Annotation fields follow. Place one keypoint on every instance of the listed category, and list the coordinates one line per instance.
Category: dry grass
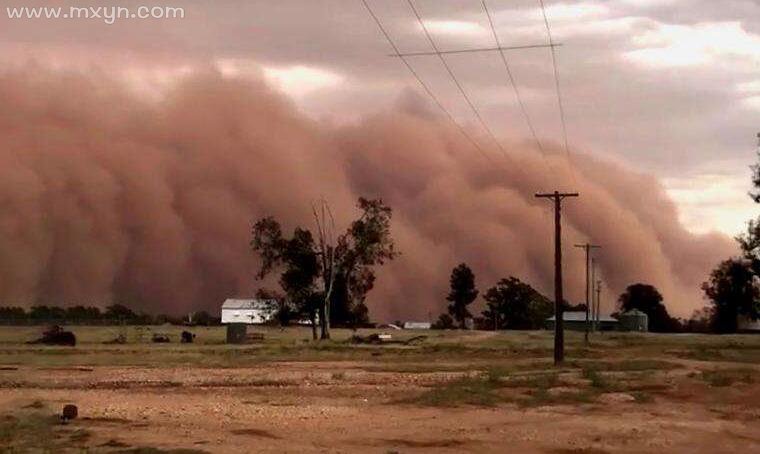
(728, 377)
(290, 376)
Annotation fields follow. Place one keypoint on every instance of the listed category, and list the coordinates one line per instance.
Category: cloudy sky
(669, 87)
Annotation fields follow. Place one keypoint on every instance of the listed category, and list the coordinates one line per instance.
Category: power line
(456, 81)
(558, 91)
(512, 82)
(424, 85)
(484, 49)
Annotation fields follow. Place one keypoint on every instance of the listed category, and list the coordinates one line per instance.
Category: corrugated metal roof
(635, 312)
(580, 316)
(247, 303)
(417, 325)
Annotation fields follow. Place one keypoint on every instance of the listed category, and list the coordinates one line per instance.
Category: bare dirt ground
(479, 394)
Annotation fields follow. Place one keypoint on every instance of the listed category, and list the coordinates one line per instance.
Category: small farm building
(576, 321)
(417, 325)
(248, 311)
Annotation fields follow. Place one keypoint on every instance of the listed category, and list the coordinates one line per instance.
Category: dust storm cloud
(108, 197)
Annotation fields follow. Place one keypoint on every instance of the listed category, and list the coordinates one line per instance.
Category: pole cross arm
(560, 195)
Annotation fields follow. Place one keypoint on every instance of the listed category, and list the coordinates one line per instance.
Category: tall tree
(513, 304)
(332, 274)
(366, 244)
(462, 293)
(326, 252)
(733, 291)
(444, 322)
(648, 300)
(299, 262)
(733, 286)
(750, 241)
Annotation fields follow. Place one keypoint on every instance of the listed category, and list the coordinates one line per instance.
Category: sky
(669, 87)
(137, 151)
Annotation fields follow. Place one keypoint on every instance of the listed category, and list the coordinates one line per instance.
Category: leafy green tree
(648, 300)
(462, 293)
(701, 320)
(339, 271)
(513, 304)
(79, 314)
(285, 311)
(444, 322)
(297, 256)
(203, 318)
(366, 244)
(12, 314)
(733, 290)
(47, 313)
(755, 183)
(733, 286)
(119, 313)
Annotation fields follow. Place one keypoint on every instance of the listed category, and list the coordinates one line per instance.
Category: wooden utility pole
(588, 247)
(593, 299)
(598, 298)
(559, 334)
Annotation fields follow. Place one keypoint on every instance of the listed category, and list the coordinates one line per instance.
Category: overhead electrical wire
(424, 85)
(558, 92)
(514, 85)
(457, 82)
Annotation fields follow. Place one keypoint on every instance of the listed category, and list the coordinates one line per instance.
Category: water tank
(633, 320)
(236, 333)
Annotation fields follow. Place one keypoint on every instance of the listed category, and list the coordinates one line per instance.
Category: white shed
(417, 325)
(747, 325)
(249, 311)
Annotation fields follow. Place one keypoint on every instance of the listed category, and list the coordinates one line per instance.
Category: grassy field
(209, 349)
(493, 383)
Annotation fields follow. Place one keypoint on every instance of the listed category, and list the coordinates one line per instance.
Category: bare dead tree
(326, 251)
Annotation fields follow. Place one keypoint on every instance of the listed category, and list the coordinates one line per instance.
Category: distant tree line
(510, 304)
(514, 304)
(732, 290)
(115, 314)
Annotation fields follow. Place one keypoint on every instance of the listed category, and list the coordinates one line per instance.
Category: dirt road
(352, 407)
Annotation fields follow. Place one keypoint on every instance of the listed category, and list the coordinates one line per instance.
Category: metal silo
(633, 320)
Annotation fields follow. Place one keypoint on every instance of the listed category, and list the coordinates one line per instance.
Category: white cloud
(301, 80)
(753, 103)
(573, 11)
(748, 87)
(606, 27)
(709, 202)
(671, 56)
(683, 45)
(454, 27)
(647, 3)
(296, 80)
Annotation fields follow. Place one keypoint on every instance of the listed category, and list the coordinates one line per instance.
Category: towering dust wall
(106, 197)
